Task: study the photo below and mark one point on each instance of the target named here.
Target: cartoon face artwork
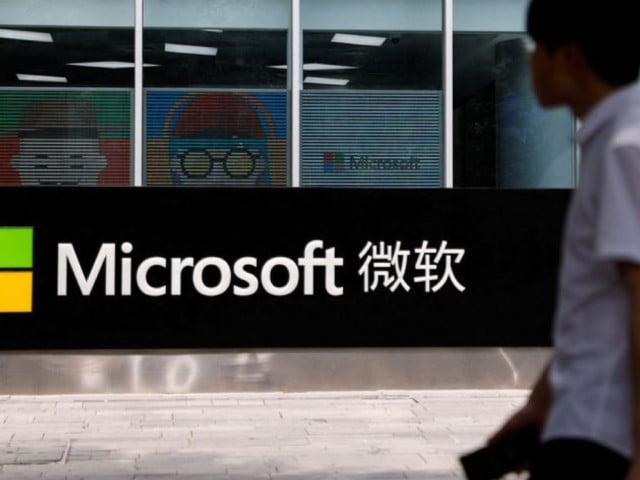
(219, 139)
(59, 144)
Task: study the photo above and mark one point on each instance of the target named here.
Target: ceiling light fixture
(113, 65)
(24, 77)
(190, 49)
(337, 82)
(363, 40)
(319, 67)
(316, 67)
(26, 35)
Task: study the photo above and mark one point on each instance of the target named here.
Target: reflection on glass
(502, 137)
(81, 56)
(208, 58)
(385, 60)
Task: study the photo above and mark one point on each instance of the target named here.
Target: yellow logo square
(16, 292)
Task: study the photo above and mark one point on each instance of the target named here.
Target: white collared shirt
(591, 370)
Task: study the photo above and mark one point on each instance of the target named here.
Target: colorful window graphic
(226, 139)
(65, 137)
(16, 263)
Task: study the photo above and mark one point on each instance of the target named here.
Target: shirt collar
(604, 110)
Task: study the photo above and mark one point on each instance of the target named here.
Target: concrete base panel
(269, 370)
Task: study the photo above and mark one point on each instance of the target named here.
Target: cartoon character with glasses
(219, 139)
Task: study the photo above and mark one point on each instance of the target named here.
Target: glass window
(66, 92)
(502, 137)
(216, 92)
(372, 93)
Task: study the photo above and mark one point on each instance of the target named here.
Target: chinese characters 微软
(385, 266)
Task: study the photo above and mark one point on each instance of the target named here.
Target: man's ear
(573, 58)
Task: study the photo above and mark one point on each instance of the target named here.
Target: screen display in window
(226, 139)
(54, 137)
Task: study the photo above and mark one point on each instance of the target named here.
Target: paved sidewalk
(385, 435)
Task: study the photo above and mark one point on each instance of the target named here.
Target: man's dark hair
(605, 32)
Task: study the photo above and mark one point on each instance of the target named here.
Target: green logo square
(16, 247)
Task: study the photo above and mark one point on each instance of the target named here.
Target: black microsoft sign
(209, 268)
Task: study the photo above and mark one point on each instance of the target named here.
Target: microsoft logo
(16, 264)
(332, 162)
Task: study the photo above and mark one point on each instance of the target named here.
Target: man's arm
(631, 276)
(533, 413)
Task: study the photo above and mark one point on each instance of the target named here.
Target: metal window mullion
(447, 93)
(295, 87)
(138, 95)
(577, 153)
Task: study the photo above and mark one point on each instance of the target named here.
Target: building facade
(285, 94)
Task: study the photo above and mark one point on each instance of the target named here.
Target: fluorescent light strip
(363, 40)
(190, 49)
(315, 67)
(109, 65)
(40, 78)
(26, 35)
(213, 30)
(319, 67)
(339, 82)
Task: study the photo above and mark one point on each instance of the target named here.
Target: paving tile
(8, 457)
(26, 433)
(376, 435)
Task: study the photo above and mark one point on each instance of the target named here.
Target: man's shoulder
(624, 131)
